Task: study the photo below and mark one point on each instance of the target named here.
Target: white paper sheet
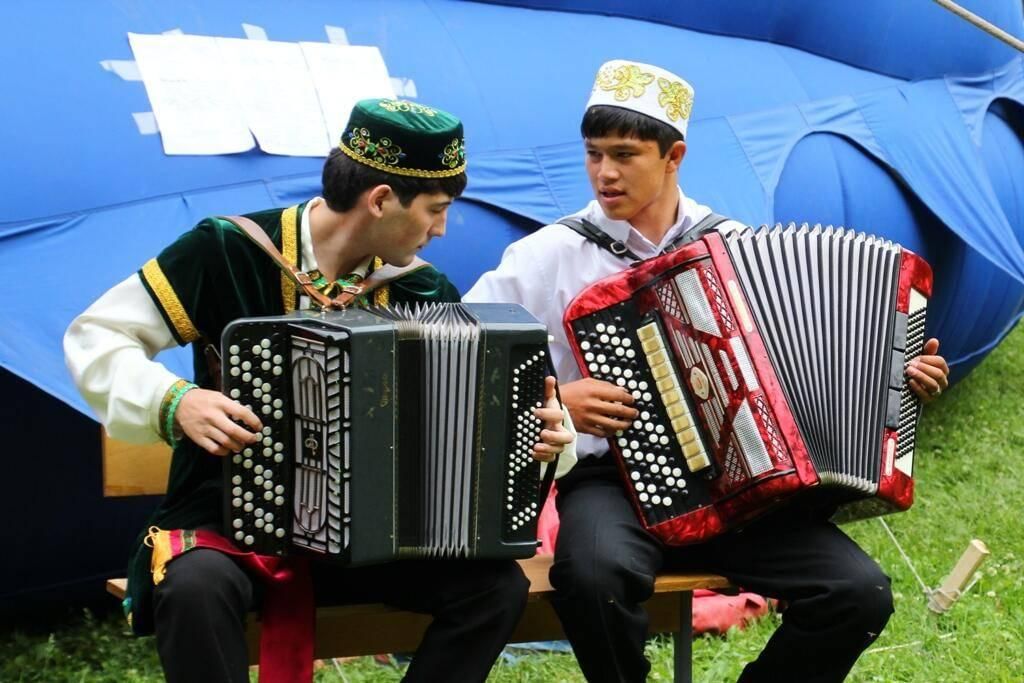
(185, 83)
(343, 75)
(276, 96)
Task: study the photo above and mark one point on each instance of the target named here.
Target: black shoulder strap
(603, 239)
(598, 236)
(704, 226)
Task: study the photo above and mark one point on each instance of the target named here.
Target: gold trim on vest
(290, 251)
(381, 295)
(169, 301)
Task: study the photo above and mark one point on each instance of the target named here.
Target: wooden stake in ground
(943, 597)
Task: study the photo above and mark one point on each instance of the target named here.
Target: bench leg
(683, 640)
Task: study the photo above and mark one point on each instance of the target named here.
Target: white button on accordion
(764, 363)
(388, 433)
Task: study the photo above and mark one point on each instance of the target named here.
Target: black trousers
(200, 612)
(838, 598)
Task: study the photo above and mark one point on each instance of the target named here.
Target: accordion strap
(599, 236)
(381, 276)
(704, 226)
(603, 239)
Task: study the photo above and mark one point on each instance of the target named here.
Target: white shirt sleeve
(510, 282)
(109, 349)
(567, 458)
(525, 278)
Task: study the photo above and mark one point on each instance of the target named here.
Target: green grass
(968, 474)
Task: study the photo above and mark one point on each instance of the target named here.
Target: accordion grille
(320, 424)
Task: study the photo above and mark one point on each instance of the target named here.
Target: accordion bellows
(388, 433)
(764, 363)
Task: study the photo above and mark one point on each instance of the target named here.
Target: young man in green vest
(386, 192)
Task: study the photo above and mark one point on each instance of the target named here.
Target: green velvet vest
(210, 276)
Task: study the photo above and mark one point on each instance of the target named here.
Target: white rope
(985, 26)
(906, 558)
(916, 643)
(977, 575)
(337, 668)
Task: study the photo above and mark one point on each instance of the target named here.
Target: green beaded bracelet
(179, 389)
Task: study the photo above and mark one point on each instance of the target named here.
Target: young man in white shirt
(605, 562)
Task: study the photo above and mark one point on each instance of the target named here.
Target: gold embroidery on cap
(383, 151)
(402, 105)
(675, 98)
(626, 81)
(454, 154)
(398, 170)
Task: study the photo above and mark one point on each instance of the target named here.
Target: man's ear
(675, 155)
(376, 198)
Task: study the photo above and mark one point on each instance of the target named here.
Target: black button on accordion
(388, 433)
(763, 363)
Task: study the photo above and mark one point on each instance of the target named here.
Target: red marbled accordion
(764, 363)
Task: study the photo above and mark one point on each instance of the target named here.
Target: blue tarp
(891, 117)
(87, 198)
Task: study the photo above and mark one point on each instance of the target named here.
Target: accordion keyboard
(705, 431)
(654, 447)
(258, 505)
(529, 371)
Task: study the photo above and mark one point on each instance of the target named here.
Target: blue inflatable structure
(894, 118)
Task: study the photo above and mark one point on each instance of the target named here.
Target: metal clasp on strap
(618, 248)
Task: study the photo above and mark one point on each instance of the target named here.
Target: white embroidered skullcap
(646, 89)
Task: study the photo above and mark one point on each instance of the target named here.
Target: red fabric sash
(289, 613)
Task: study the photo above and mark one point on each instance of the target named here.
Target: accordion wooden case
(764, 363)
(388, 433)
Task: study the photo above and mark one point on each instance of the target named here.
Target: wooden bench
(357, 630)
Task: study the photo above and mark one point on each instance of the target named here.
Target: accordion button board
(661, 450)
(763, 362)
(387, 433)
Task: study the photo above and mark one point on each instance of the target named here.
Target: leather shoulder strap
(600, 237)
(260, 238)
(349, 294)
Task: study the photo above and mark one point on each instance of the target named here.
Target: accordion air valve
(763, 363)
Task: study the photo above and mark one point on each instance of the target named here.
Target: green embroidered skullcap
(405, 138)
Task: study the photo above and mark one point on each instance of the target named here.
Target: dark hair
(344, 180)
(600, 121)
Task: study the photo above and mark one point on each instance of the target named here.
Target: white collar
(623, 232)
(308, 258)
